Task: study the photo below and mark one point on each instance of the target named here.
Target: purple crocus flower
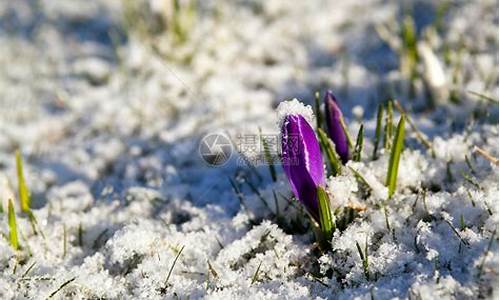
(335, 130)
(302, 161)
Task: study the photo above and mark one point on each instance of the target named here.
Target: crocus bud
(334, 121)
(302, 161)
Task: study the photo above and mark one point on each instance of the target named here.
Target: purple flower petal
(335, 130)
(302, 161)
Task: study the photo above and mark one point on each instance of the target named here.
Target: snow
(294, 107)
(109, 118)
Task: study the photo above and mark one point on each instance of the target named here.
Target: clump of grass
(164, 30)
(181, 20)
(14, 240)
(402, 38)
(441, 11)
(397, 148)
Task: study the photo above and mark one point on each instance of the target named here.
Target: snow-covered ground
(108, 113)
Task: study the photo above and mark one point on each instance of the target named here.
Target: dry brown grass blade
(486, 155)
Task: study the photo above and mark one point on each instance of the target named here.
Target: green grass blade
(257, 193)
(484, 97)
(388, 126)
(239, 194)
(386, 217)
(463, 226)
(409, 53)
(255, 276)
(361, 255)
(212, 270)
(28, 270)
(327, 223)
(33, 222)
(329, 150)
(471, 180)
(366, 248)
(14, 241)
(173, 265)
(481, 265)
(364, 259)
(319, 116)
(378, 130)
(360, 178)
(61, 287)
(80, 235)
(397, 148)
(276, 205)
(65, 240)
(356, 156)
(268, 157)
(409, 33)
(419, 135)
(439, 21)
(346, 131)
(24, 194)
(469, 164)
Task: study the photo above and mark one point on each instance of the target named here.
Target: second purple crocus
(334, 119)
(302, 161)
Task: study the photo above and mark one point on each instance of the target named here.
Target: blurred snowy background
(108, 100)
